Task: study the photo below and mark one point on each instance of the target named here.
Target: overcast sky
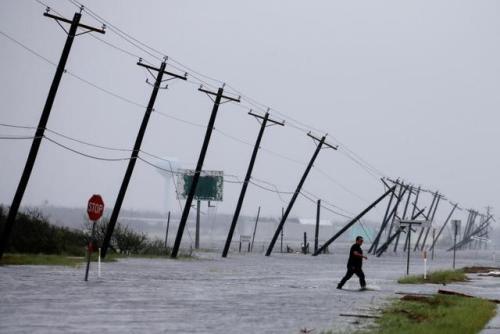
(411, 87)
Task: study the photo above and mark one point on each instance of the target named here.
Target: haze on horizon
(411, 88)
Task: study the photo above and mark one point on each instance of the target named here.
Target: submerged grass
(436, 277)
(438, 314)
(71, 261)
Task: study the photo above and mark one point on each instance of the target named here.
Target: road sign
(210, 185)
(95, 207)
(413, 222)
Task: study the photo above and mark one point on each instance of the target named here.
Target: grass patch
(438, 314)
(51, 259)
(436, 277)
(41, 259)
(73, 261)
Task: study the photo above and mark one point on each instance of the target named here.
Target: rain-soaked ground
(244, 293)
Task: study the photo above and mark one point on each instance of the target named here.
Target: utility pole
(456, 225)
(166, 233)
(384, 247)
(353, 221)
(428, 217)
(255, 229)
(316, 232)
(407, 247)
(299, 187)
(391, 215)
(197, 232)
(374, 244)
(199, 166)
(282, 230)
(248, 175)
(432, 221)
(37, 140)
(403, 216)
(137, 147)
(402, 191)
(442, 227)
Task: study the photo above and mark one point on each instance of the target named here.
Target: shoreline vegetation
(34, 241)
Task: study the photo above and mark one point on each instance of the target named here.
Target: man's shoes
(363, 288)
(339, 287)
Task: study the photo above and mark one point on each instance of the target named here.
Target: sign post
(408, 224)
(95, 207)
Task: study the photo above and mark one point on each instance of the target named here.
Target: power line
(84, 154)
(27, 48)
(8, 137)
(303, 126)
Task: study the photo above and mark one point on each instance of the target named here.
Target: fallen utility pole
(297, 191)
(353, 221)
(429, 217)
(386, 245)
(199, 166)
(248, 175)
(137, 148)
(402, 191)
(404, 215)
(442, 227)
(382, 226)
(432, 221)
(42, 123)
(412, 215)
(468, 238)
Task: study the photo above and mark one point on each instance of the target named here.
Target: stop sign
(95, 207)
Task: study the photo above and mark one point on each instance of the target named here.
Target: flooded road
(244, 293)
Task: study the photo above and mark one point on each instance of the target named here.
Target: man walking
(354, 264)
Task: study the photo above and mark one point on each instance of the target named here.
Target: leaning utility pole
(442, 227)
(402, 190)
(263, 125)
(137, 147)
(196, 177)
(374, 244)
(40, 130)
(353, 221)
(435, 195)
(403, 217)
(432, 221)
(297, 191)
(407, 247)
(399, 197)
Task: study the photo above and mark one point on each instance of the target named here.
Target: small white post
(425, 264)
(99, 264)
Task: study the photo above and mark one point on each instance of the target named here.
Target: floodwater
(244, 293)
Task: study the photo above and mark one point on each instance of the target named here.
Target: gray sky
(411, 87)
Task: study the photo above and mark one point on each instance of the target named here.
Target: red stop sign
(95, 207)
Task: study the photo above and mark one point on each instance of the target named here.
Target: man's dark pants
(351, 270)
